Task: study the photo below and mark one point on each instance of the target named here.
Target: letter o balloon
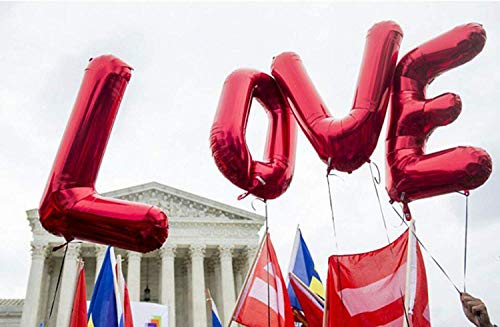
(266, 179)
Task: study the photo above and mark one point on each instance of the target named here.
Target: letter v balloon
(344, 144)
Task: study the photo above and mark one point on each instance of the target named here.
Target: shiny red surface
(70, 206)
(344, 143)
(227, 137)
(410, 172)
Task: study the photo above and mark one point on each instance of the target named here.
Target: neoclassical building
(210, 245)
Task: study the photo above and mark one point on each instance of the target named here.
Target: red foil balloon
(70, 206)
(412, 174)
(270, 178)
(344, 144)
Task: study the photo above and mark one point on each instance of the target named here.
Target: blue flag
(215, 315)
(103, 310)
(302, 266)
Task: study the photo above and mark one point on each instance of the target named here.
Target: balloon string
(331, 211)
(466, 194)
(335, 236)
(268, 256)
(376, 181)
(427, 251)
(268, 272)
(58, 279)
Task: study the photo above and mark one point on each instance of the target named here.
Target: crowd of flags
(386, 287)
(110, 303)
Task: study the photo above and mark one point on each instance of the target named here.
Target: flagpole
(316, 296)
(409, 260)
(249, 272)
(208, 296)
(295, 248)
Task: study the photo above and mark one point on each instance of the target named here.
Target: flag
(302, 266)
(264, 301)
(126, 319)
(312, 305)
(368, 289)
(79, 311)
(105, 308)
(215, 314)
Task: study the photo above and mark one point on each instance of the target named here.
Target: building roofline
(188, 196)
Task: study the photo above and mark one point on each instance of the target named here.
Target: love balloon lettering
(71, 207)
(346, 144)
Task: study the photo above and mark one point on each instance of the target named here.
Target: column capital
(251, 250)
(100, 250)
(133, 255)
(168, 251)
(226, 251)
(197, 250)
(212, 262)
(73, 252)
(239, 263)
(39, 250)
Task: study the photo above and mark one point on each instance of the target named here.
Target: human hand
(475, 310)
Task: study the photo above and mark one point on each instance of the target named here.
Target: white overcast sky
(181, 54)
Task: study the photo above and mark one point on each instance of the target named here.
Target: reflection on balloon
(70, 206)
(344, 144)
(412, 174)
(266, 179)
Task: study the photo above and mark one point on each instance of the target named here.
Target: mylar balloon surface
(70, 206)
(344, 144)
(271, 177)
(411, 173)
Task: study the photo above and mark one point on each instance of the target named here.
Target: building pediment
(180, 206)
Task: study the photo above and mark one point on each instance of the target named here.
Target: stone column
(134, 275)
(197, 252)
(30, 316)
(167, 291)
(100, 252)
(68, 283)
(239, 265)
(188, 295)
(251, 251)
(218, 283)
(226, 264)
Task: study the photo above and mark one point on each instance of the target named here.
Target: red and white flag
(79, 311)
(264, 300)
(368, 289)
(126, 319)
(312, 306)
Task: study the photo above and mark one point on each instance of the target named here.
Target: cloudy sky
(181, 55)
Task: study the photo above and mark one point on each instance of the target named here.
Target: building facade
(210, 246)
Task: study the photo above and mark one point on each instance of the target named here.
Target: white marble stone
(68, 283)
(167, 293)
(202, 233)
(31, 314)
(197, 252)
(134, 275)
